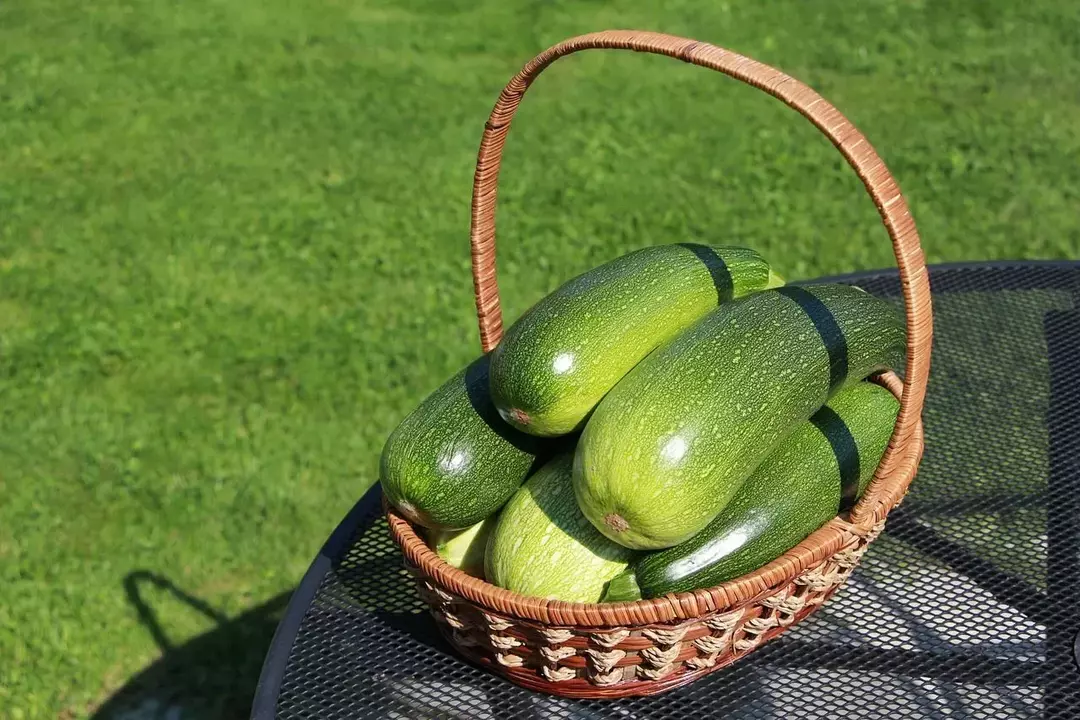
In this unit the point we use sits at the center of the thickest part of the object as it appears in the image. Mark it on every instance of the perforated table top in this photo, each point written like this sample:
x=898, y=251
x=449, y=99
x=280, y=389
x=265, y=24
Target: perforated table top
x=968, y=606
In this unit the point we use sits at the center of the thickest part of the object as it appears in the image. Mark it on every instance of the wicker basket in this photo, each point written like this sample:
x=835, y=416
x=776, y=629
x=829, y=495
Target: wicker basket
x=645, y=647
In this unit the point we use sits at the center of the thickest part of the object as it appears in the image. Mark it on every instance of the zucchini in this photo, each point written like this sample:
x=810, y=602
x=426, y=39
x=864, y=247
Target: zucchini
x=453, y=462
x=775, y=280
x=825, y=463
x=671, y=444
x=543, y=546
x=463, y=549
x=564, y=354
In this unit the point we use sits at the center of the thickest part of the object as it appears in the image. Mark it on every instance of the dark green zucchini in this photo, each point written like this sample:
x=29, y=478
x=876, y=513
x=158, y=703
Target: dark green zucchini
x=453, y=461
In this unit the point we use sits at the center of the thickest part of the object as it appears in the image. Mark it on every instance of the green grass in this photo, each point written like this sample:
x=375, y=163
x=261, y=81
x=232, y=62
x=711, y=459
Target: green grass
x=233, y=245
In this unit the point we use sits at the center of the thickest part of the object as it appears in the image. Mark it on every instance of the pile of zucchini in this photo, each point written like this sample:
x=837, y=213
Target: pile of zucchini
x=667, y=421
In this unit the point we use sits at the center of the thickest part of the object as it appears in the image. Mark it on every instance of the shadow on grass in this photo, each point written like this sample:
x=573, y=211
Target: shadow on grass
x=212, y=676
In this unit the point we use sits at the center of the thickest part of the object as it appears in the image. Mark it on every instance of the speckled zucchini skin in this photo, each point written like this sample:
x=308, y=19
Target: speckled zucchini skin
x=562, y=356
x=543, y=546
x=826, y=461
x=453, y=461
x=671, y=444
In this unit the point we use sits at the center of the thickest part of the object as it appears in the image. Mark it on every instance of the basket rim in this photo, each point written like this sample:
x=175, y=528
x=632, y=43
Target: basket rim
x=691, y=605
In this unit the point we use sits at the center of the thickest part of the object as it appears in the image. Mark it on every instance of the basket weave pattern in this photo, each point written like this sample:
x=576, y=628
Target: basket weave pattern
x=611, y=650
x=537, y=655
x=642, y=656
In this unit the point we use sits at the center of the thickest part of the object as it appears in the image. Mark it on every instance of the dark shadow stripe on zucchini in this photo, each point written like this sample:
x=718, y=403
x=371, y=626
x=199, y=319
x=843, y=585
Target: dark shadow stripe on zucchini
x=828, y=328
x=836, y=431
x=476, y=385
x=718, y=269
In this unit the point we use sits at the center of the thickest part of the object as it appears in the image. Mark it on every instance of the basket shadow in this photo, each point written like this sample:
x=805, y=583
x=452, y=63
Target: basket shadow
x=212, y=676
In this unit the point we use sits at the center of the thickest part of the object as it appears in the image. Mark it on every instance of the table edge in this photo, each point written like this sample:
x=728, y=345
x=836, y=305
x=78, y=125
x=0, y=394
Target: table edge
x=268, y=689
x=946, y=267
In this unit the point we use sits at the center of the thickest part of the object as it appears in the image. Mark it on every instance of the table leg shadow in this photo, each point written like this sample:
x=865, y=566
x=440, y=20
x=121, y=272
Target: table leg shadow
x=211, y=676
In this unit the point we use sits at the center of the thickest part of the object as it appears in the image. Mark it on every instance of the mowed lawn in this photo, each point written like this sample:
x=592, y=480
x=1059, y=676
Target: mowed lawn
x=234, y=251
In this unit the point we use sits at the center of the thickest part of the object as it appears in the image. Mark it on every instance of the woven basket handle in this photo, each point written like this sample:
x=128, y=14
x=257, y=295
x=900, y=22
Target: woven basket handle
x=855, y=148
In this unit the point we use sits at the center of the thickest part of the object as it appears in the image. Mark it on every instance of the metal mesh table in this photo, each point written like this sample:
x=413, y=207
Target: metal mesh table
x=967, y=607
